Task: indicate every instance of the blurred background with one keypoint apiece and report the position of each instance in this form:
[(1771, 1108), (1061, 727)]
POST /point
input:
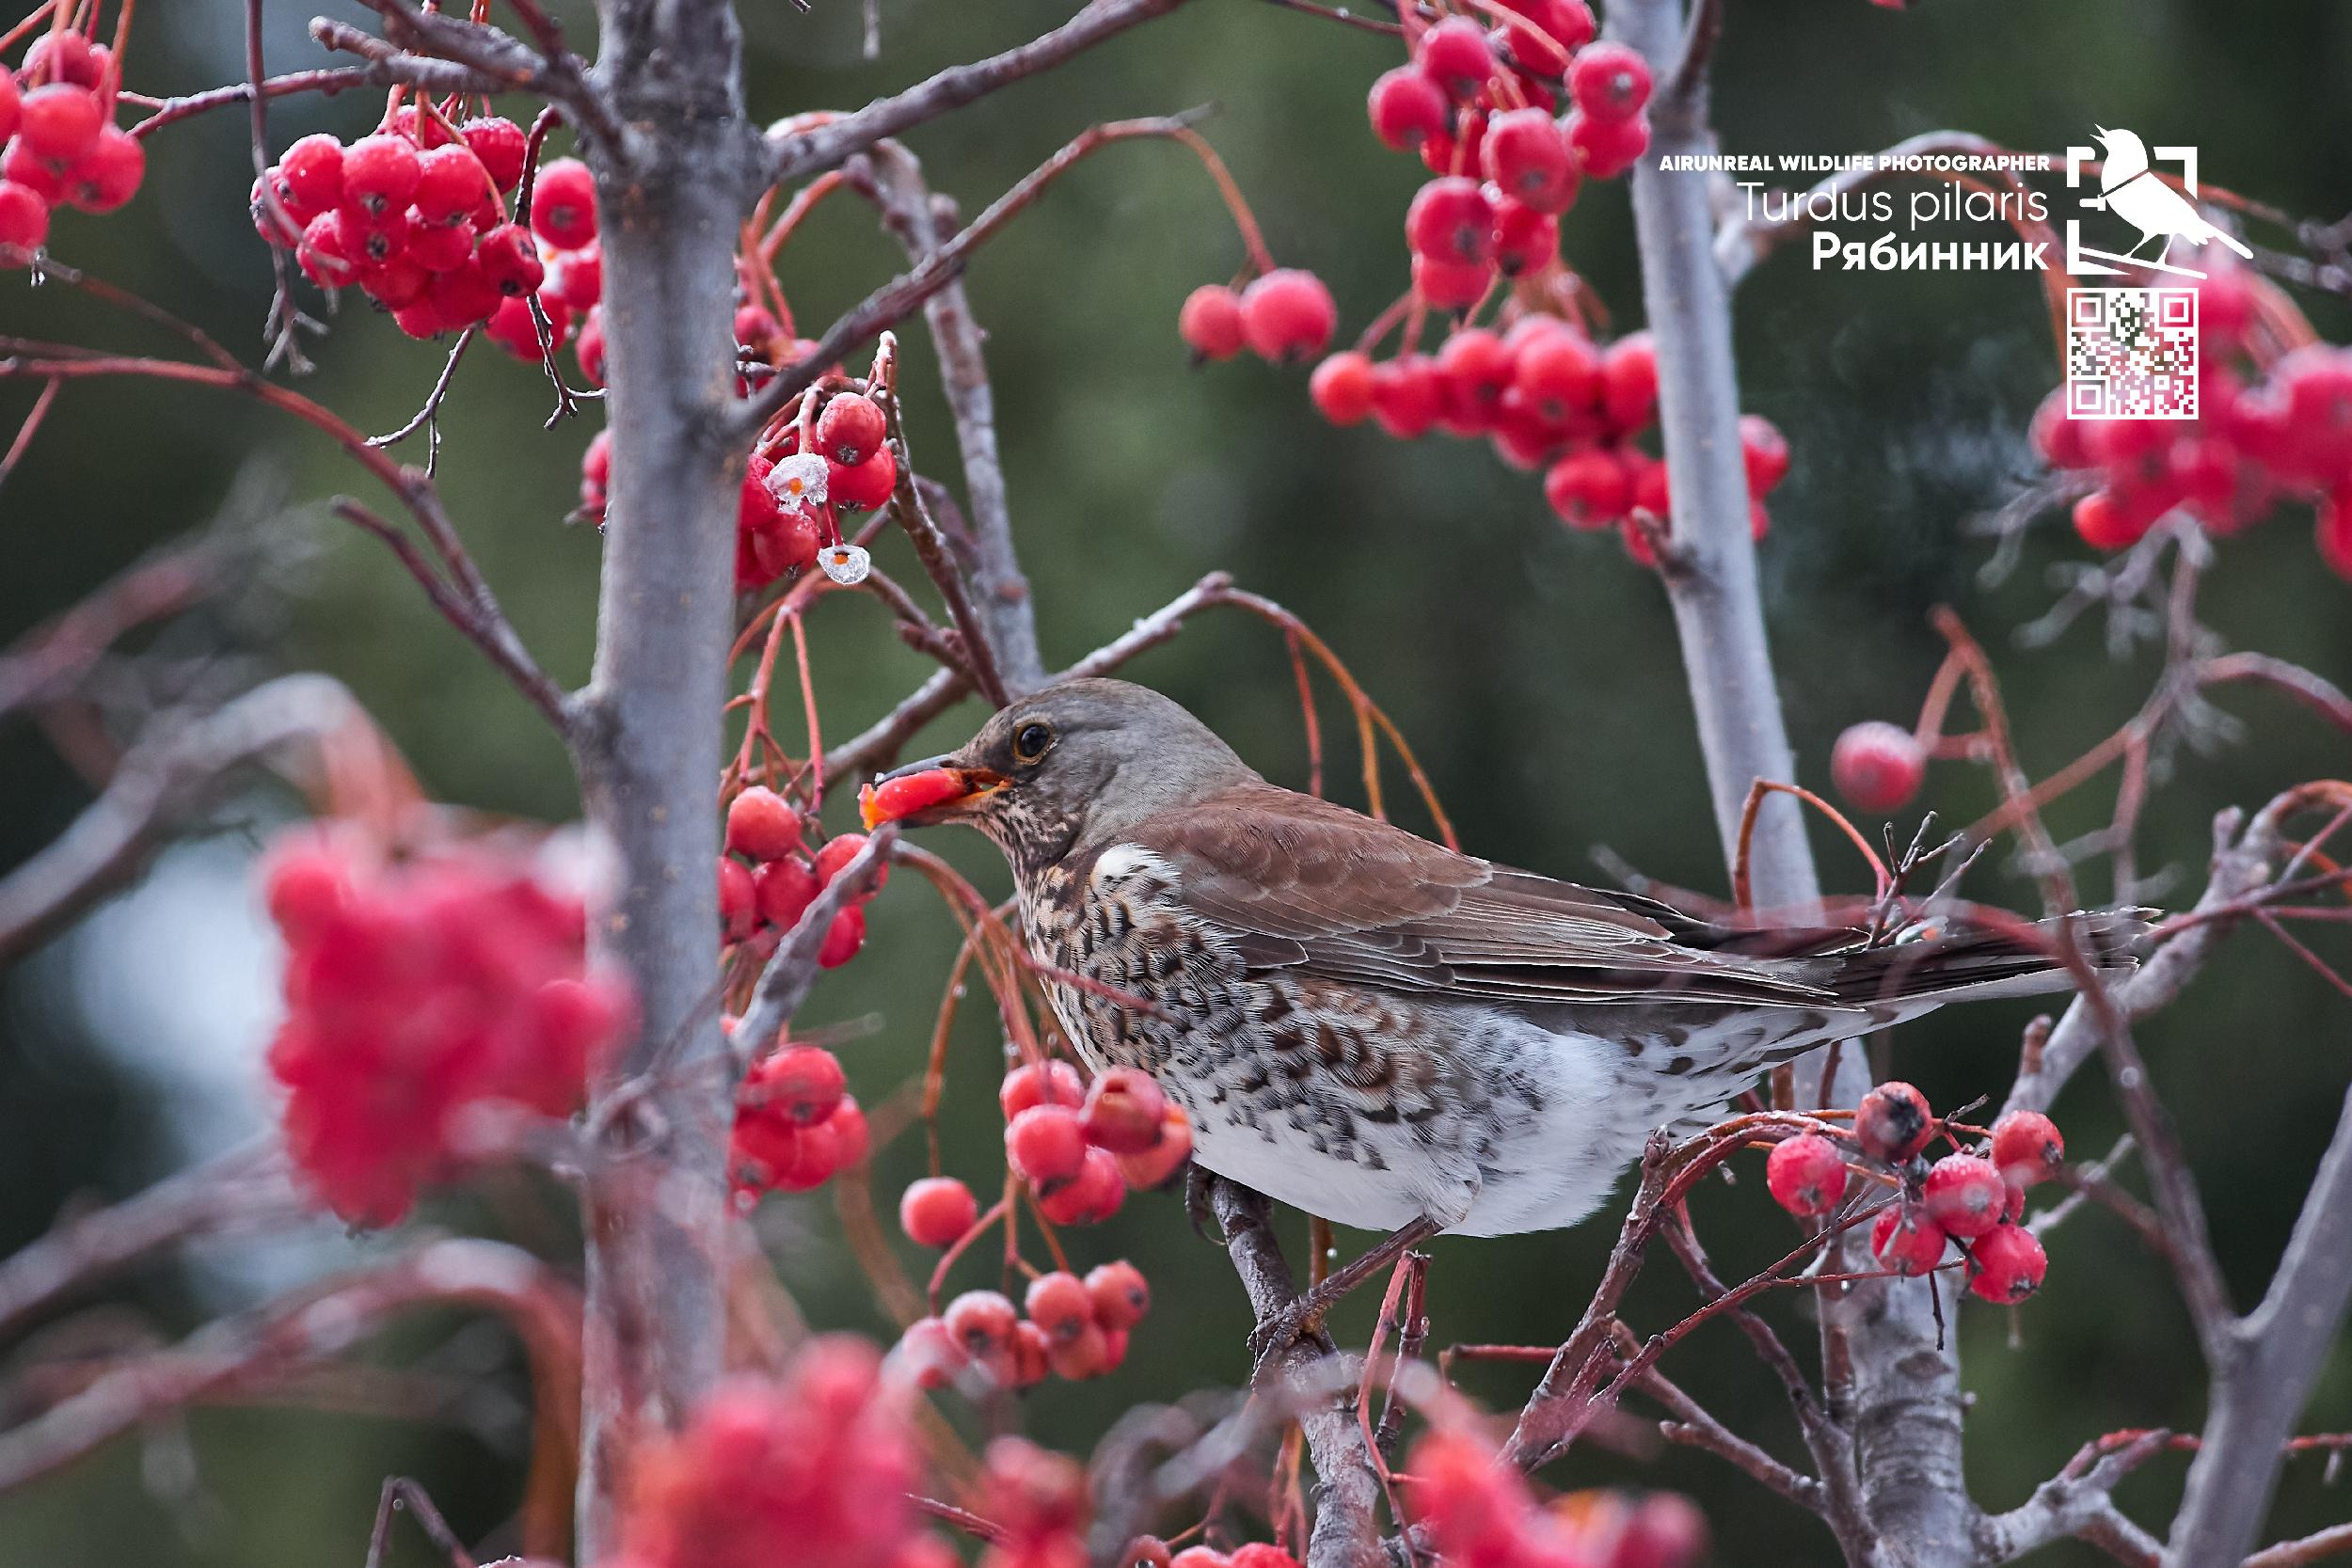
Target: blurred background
[(1535, 671)]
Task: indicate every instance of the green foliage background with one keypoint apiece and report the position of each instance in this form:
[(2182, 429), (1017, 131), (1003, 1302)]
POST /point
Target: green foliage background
[(1535, 672)]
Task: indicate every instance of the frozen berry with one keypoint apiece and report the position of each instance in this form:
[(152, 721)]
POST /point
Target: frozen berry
[(1628, 381), (1287, 314), (1455, 56), (1406, 395), (60, 121), (500, 146), (1607, 148), (1878, 767), (451, 183), (1405, 106), (843, 939), (1610, 82), (310, 178), (762, 824), (929, 1354), (862, 486), (2026, 1148), (850, 429), (510, 261), (2056, 435), (24, 218), (1089, 1197), (1341, 387), (1528, 160), (1764, 452), (738, 906), (1587, 489), (1906, 1241), (980, 1323), (1964, 1194), (2007, 1265), (800, 1082), (380, 174), (2105, 524), (66, 56), (840, 851), (1157, 1166), (1893, 1122), (1054, 1083), (1059, 1305), (1805, 1174), (1210, 321), (563, 204), (1525, 239), (1045, 1145), (1451, 219), (938, 1211), (1452, 285), (1119, 1292)]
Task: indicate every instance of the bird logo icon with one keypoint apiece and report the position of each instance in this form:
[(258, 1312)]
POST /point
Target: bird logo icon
[(2128, 187)]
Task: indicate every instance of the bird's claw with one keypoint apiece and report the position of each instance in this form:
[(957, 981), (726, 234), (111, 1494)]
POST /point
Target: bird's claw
[(1198, 1208), (1273, 1336)]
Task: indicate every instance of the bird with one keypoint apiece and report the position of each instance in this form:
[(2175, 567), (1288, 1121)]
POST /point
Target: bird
[(2129, 189), (1373, 1027)]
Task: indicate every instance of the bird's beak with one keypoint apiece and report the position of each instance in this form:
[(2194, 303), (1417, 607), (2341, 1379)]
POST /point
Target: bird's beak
[(938, 789)]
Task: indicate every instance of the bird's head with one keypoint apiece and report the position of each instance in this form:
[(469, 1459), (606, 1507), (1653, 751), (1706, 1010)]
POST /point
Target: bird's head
[(1074, 762)]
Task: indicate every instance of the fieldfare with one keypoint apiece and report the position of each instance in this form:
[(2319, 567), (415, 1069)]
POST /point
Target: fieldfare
[(1379, 1030)]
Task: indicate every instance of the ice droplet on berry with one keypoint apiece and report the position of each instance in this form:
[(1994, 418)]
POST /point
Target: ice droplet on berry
[(847, 564), (798, 483)]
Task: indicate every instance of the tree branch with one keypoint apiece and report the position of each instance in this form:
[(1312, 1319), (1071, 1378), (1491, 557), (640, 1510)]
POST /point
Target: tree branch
[(799, 149), (166, 778), (1347, 1526), (924, 223), (2276, 1354)]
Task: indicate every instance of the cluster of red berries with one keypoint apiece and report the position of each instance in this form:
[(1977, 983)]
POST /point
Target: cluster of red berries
[(1974, 1199), (1040, 1502), (1282, 316), (1152, 1552), (1076, 1328), (1478, 1511), (1081, 1148), (761, 901), (819, 1467), (414, 214), (802, 475), (2263, 432), (1479, 103), (428, 1006), (63, 147), (795, 1124)]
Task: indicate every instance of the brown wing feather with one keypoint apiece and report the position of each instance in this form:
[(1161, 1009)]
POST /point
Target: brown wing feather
[(1310, 886)]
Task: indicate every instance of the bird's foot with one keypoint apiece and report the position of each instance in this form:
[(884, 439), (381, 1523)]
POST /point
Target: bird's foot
[(1274, 1336), (1198, 1180)]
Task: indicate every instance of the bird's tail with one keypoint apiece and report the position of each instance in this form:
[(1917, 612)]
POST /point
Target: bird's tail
[(2231, 240), (1975, 964)]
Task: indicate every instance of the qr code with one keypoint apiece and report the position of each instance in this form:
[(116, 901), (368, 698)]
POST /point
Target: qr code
[(2131, 354)]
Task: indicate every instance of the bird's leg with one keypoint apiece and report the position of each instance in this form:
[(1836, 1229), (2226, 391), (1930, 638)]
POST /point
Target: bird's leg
[(1199, 1179), (1305, 1314)]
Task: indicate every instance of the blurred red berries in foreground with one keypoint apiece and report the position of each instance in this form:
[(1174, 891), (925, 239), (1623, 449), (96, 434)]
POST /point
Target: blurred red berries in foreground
[(430, 1006)]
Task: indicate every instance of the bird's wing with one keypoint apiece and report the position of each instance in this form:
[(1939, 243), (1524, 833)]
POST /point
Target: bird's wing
[(1307, 886)]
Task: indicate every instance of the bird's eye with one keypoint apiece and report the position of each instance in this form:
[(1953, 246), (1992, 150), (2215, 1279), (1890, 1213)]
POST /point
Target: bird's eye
[(1031, 741)]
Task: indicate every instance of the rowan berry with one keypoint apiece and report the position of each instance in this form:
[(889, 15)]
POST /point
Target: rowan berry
[(938, 1211), (1893, 1122), (1963, 1193), (1877, 765), (1806, 1174)]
